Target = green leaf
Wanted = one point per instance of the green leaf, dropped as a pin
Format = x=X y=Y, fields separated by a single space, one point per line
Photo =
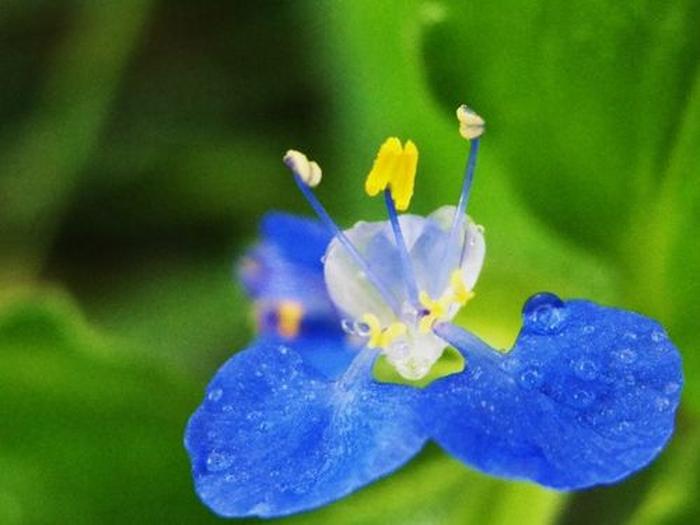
x=49 y=151
x=88 y=436
x=378 y=75
x=582 y=99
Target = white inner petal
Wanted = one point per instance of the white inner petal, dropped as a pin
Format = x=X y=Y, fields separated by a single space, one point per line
x=426 y=240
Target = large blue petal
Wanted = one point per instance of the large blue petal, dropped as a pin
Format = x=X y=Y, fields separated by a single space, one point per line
x=286 y=267
x=586 y=396
x=274 y=437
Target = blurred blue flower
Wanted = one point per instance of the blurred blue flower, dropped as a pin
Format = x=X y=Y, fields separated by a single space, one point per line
x=586 y=396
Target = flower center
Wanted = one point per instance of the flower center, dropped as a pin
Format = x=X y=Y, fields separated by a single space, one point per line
x=396 y=280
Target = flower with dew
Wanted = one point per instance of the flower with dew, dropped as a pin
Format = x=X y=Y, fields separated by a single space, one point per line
x=586 y=396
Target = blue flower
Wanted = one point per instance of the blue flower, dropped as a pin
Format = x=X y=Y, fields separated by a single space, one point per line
x=586 y=396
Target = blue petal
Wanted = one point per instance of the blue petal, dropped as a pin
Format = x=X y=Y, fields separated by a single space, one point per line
x=286 y=266
x=302 y=241
x=274 y=437
x=587 y=396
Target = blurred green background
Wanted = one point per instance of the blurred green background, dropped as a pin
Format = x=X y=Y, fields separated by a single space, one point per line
x=140 y=142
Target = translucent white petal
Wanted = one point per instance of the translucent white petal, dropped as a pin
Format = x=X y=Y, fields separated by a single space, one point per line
x=426 y=240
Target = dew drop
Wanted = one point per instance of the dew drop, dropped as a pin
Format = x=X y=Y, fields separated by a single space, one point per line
x=588 y=329
x=510 y=364
x=283 y=350
x=531 y=378
x=215 y=394
x=671 y=388
x=310 y=396
x=662 y=404
x=585 y=369
x=218 y=461
x=657 y=336
x=544 y=313
x=254 y=415
x=582 y=398
x=630 y=335
x=625 y=355
x=348 y=326
x=362 y=329
x=480 y=229
x=227 y=408
x=623 y=427
x=324 y=258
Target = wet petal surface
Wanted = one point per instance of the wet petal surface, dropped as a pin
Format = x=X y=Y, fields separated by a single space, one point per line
x=587 y=396
x=273 y=436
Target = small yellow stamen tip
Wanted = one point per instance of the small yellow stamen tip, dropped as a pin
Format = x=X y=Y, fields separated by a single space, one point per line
x=382 y=338
x=394 y=168
x=462 y=294
x=290 y=314
x=307 y=170
x=471 y=125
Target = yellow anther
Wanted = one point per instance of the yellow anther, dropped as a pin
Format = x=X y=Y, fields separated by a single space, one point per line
x=436 y=309
x=461 y=293
x=307 y=170
x=289 y=315
x=384 y=165
x=394 y=168
x=471 y=125
x=379 y=338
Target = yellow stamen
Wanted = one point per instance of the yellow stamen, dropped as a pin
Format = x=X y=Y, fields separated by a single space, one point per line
x=436 y=310
x=379 y=338
x=405 y=177
x=456 y=295
x=461 y=293
x=289 y=315
x=394 y=168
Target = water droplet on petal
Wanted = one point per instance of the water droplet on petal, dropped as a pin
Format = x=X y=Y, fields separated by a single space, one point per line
x=662 y=404
x=585 y=369
x=348 y=326
x=531 y=378
x=588 y=329
x=282 y=349
x=544 y=313
x=510 y=364
x=215 y=394
x=625 y=355
x=218 y=461
x=671 y=388
x=227 y=408
x=624 y=427
x=657 y=336
x=582 y=398
x=254 y=415
x=362 y=329
x=310 y=396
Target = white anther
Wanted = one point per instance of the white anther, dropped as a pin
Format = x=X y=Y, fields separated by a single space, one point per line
x=471 y=125
x=307 y=170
